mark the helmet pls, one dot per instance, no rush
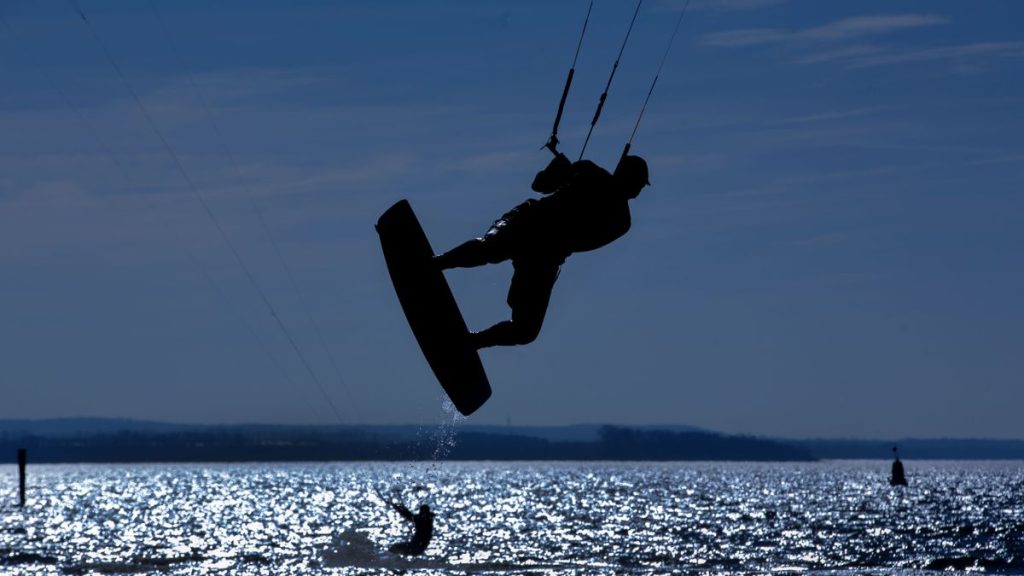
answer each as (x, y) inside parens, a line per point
(633, 169)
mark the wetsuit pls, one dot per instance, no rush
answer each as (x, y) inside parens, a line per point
(423, 521)
(582, 209)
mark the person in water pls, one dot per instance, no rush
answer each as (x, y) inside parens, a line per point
(583, 208)
(423, 523)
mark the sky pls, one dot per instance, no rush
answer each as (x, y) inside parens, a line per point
(830, 247)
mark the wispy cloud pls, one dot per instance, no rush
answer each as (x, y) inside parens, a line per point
(868, 55)
(361, 176)
(816, 240)
(828, 116)
(490, 162)
(952, 53)
(814, 41)
(847, 53)
(844, 29)
(870, 25)
(741, 38)
(717, 5)
(693, 161)
(1000, 159)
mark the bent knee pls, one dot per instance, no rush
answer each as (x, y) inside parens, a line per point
(525, 332)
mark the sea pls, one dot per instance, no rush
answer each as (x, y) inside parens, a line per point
(829, 517)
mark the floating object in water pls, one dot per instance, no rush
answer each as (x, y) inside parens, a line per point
(898, 477)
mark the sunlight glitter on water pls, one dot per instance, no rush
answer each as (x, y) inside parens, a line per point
(516, 518)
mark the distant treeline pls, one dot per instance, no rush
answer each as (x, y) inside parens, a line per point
(111, 440)
(915, 449)
(283, 445)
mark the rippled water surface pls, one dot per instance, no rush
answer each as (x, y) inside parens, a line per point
(516, 518)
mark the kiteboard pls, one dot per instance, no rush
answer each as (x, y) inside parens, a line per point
(431, 309)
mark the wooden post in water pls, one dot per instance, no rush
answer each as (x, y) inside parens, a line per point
(21, 476)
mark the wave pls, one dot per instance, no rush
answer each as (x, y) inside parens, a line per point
(1015, 565)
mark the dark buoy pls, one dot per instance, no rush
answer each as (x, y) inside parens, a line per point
(898, 476)
(22, 457)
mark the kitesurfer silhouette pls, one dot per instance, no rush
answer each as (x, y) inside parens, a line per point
(583, 208)
(423, 530)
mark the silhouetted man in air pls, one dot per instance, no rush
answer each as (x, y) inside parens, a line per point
(583, 208)
(423, 523)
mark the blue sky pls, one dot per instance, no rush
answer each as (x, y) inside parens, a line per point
(830, 247)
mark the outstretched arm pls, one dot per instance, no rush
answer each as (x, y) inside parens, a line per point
(401, 509)
(551, 178)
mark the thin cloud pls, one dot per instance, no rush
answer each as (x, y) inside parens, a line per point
(848, 53)
(269, 179)
(1002, 159)
(845, 29)
(957, 52)
(697, 161)
(741, 38)
(871, 25)
(817, 240)
(829, 116)
(492, 161)
(717, 5)
(867, 55)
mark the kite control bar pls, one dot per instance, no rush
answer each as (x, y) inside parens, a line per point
(552, 143)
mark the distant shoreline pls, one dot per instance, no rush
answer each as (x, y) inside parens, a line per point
(127, 441)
